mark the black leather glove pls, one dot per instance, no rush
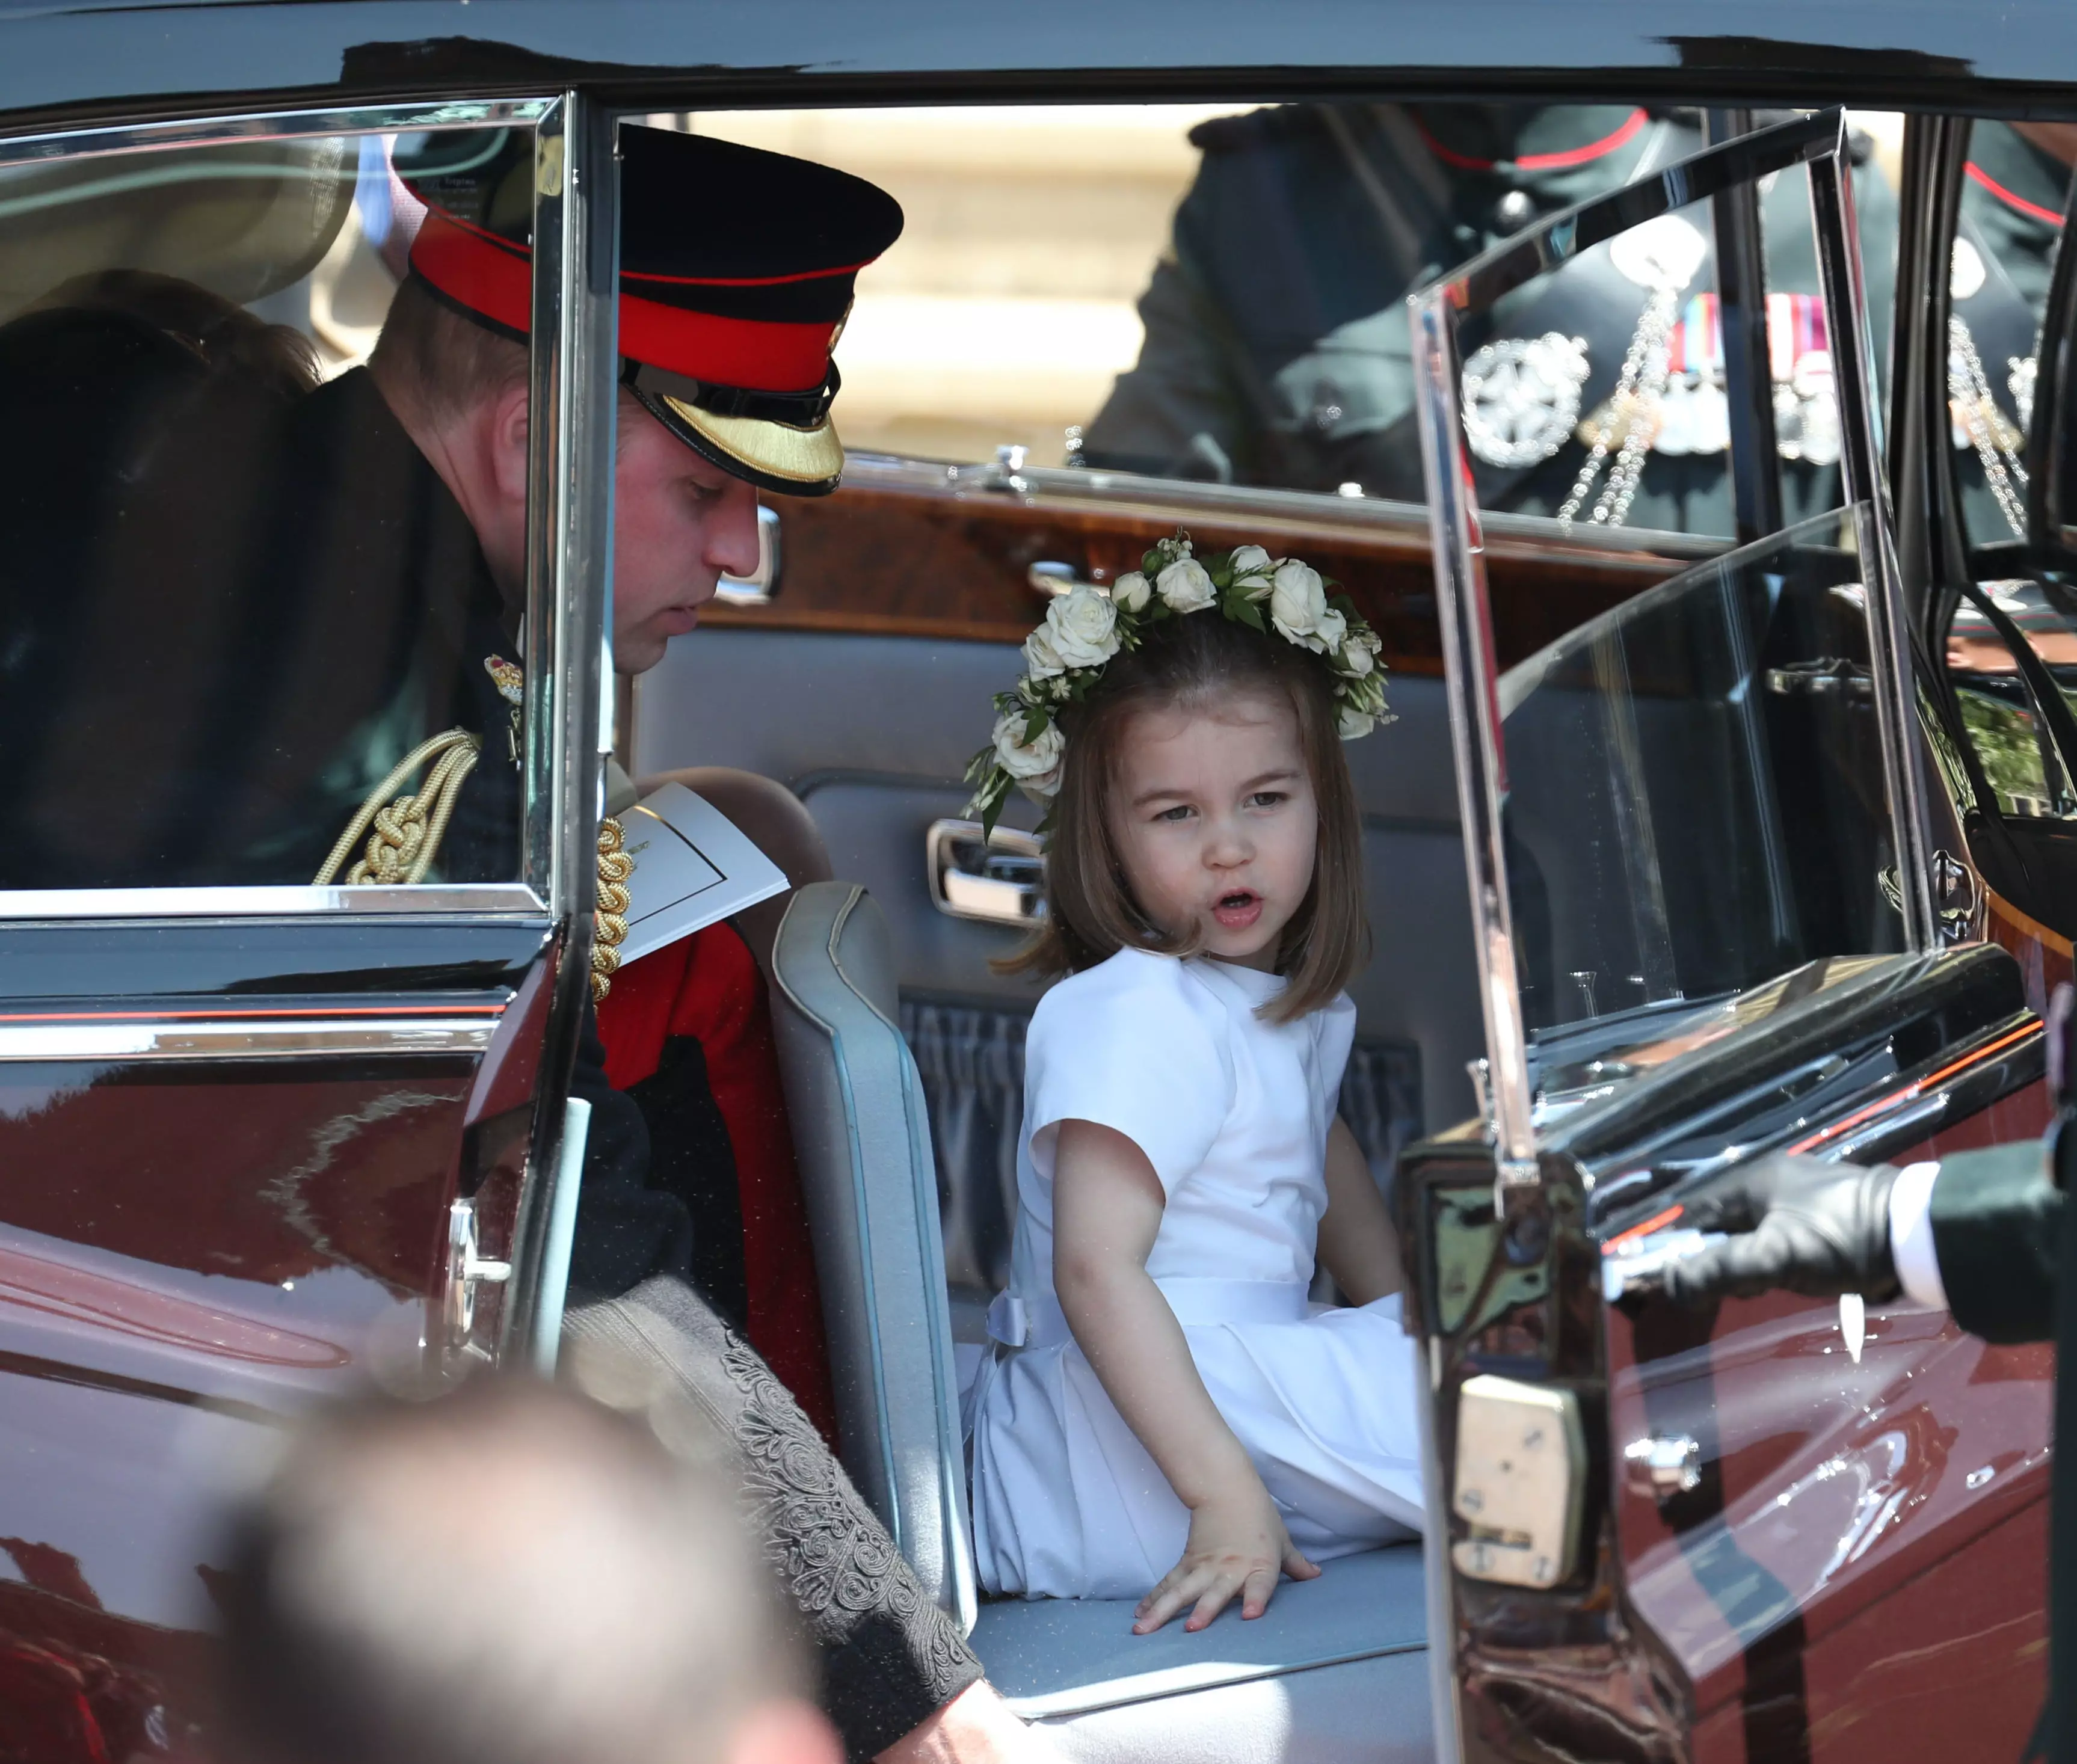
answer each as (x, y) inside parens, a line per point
(1799, 1224)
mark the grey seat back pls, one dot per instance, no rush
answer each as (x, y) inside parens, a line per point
(862, 1138)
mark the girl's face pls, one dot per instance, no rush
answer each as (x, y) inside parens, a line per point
(1214, 815)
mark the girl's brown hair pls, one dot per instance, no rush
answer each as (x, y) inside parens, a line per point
(1199, 662)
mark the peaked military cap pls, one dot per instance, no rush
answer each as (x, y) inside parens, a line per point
(737, 268)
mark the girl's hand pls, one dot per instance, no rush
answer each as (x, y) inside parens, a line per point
(1237, 1544)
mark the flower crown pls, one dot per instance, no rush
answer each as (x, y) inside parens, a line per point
(1066, 656)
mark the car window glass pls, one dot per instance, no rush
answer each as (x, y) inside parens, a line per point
(1696, 800)
(247, 636)
(1217, 293)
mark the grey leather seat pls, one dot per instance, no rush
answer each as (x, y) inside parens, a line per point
(862, 1139)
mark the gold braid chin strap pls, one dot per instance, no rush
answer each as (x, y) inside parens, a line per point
(614, 867)
(404, 836)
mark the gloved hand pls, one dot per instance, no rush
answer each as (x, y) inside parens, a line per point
(1799, 1224)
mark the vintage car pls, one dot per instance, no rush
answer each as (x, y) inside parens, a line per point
(1689, 458)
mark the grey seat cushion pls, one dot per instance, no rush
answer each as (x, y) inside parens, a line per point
(862, 1140)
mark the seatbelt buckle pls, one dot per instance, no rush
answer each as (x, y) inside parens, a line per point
(1007, 1321)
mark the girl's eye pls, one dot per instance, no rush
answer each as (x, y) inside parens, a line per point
(1181, 812)
(1267, 798)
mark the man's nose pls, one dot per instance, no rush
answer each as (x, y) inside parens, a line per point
(733, 547)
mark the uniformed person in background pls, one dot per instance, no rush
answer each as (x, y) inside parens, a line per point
(2015, 188)
(1980, 1234)
(1277, 349)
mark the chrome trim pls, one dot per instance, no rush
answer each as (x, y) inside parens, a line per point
(569, 531)
(271, 126)
(509, 899)
(1867, 491)
(244, 1038)
(1285, 513)
(1458, 543)
(1476, 738)
(961, 894)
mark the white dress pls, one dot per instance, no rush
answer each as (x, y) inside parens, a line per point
(1233, 1112)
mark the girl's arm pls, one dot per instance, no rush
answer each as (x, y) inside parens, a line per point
(1107, 1206)
(1358, 1245)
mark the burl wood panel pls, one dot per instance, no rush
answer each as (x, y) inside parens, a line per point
(924, 564)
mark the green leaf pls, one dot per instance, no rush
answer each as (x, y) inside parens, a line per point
(1248, 614)
(1035, 724)
(1346, 607)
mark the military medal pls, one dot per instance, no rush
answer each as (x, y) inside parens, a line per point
(1522, 397)
(1661, 256)
(1806, 402)
(1974, 417)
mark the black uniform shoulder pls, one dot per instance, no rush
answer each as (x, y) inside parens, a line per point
(1274, 125)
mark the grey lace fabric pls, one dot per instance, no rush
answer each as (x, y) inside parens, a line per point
(889, 1657)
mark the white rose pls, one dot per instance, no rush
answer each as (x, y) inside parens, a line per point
(1297, 600)
(1352, 724)
(1130, 592)
(1333, 628)
(1083, 628)
(1032, 763)
(1185, 586)
(1356, 658)
(1251, 566)
(1041, 660)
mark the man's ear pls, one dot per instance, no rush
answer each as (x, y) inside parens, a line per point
(508, 443)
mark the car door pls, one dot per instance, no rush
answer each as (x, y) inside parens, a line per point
(1721, 916)
(263, 1140)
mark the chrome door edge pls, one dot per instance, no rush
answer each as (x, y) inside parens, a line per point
(236, 1038)
(270, 126)
(508, 899)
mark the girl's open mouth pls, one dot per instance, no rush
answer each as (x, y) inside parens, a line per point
(1238, 910)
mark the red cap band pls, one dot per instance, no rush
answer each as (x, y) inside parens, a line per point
(495, 276)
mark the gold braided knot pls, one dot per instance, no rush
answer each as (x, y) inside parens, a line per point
(610, 922)
(404, 835)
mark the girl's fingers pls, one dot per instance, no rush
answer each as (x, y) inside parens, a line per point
(1215, 1600)
(1297, 1566)
(1256, 1592)
(1182, 1585)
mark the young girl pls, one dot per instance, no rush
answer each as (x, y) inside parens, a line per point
(1166, 1410)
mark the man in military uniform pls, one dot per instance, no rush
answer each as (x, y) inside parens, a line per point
(2015, 187)
(1981, 1234)
(399, 514)
(1277, 350)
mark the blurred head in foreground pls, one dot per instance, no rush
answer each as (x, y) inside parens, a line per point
(508, 1575)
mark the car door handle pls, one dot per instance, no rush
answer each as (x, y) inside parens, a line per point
(998, 878)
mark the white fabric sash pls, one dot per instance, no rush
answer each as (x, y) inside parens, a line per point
(1016, 1322)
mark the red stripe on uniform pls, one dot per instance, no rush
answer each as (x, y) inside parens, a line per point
(1541, 162)
(496, 278)
(2033, 211)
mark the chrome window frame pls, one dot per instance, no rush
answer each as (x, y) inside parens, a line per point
(1819, 143)
(563, 714)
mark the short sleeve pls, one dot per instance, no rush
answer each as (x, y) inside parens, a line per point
(1130, 1049)
(1334, 1032)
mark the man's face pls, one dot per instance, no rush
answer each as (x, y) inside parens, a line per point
(679, 525)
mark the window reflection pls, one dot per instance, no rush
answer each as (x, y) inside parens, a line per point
(1216, 294)
(1696, 801)
(210, 655)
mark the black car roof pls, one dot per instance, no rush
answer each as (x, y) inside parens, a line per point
(119, 58)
